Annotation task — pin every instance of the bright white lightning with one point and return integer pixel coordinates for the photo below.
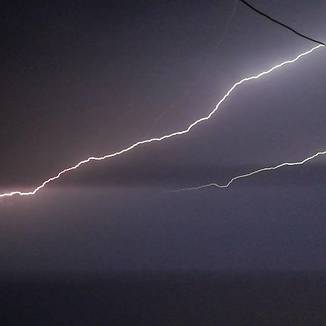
(157, 139)
(250, 174)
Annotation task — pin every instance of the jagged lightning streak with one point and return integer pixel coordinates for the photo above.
(157, 139)
(250, 174)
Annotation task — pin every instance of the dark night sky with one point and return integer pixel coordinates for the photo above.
(82, 78)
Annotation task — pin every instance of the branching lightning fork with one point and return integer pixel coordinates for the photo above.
(250, 174)
(158, 139)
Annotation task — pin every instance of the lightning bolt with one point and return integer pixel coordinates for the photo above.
(250, 174)
(158, 139)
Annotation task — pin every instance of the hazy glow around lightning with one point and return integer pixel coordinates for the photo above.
(157, 139)
(250, 174)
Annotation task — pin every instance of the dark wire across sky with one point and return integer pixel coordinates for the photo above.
(280, 23)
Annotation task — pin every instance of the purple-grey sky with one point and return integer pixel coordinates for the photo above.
(91, 78)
